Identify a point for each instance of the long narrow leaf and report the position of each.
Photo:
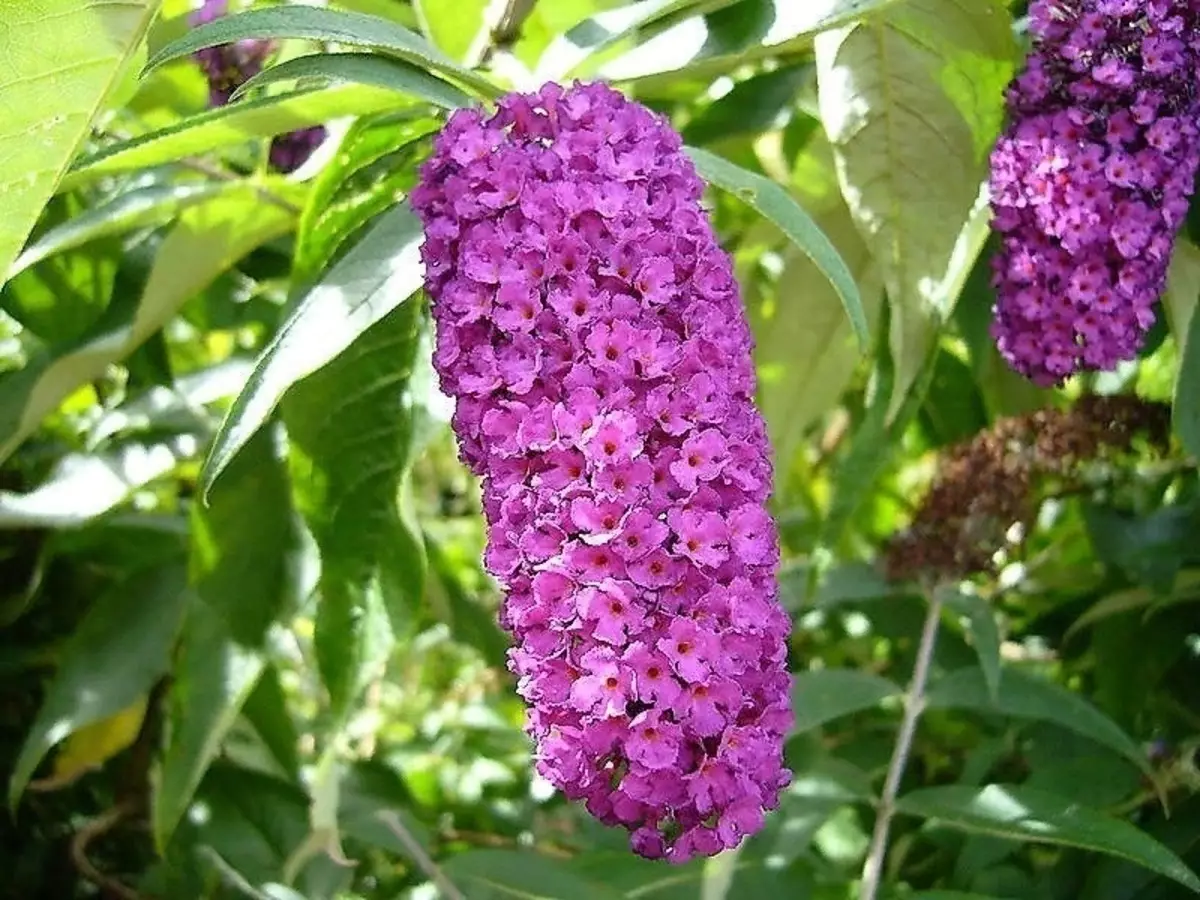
(777, 205)
(329, 26)
(361, 68)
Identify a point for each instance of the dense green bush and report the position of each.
(247, 645)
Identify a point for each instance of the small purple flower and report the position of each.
(590, 331)
(1091, 180)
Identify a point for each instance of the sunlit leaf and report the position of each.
(360, 68)
(226, 126)
(733, 36)
(139, 208)
(1031, 815)
(62, 59)
(326, 25)
(381, 272)
(84, 486)
(912, 101)
(567, 52)
(454, 27)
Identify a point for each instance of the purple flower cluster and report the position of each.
(228, 66)
(1091, 180)
(589, 328)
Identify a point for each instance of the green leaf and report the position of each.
(777, 205)
(1185, 588)
(1028, 697)
(61, 298)
(979, 621)
(86, 485)
(242, 543)
(205, 242)
(805, 350)
(351, 430)
(468, 620)
(1041, 817)
(180, 407)
(62, 59)
(327, 26)
(213, 676)
(140, 208)
(912, 101)
(755, 105)
(360, 68)
(852, 582)
(231, 125)
(812, 18)
(1185, 411)
(1183, 288)
(267, 711)
(568, 51)
(732, 36)
(454, 27)
(381, 272)
(254, 821)
(870, 449)
(827, 694)
(115, 656)
(1148, 549)
(375, 166)
(373, 800)
(488, 874)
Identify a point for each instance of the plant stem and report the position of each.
(423, 860)
(507, 26)
(914, 704)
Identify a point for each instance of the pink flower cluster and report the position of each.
(228, 66)
(589, 327)
(1092, 179)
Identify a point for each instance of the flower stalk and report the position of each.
(914, 705)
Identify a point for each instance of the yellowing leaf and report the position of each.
(95, 744)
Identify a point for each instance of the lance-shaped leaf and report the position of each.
(327, 26)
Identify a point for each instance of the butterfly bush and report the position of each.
(227, 67)
(590, 330)
(1091, 180)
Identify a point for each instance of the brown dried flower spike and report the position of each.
(986, 485)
